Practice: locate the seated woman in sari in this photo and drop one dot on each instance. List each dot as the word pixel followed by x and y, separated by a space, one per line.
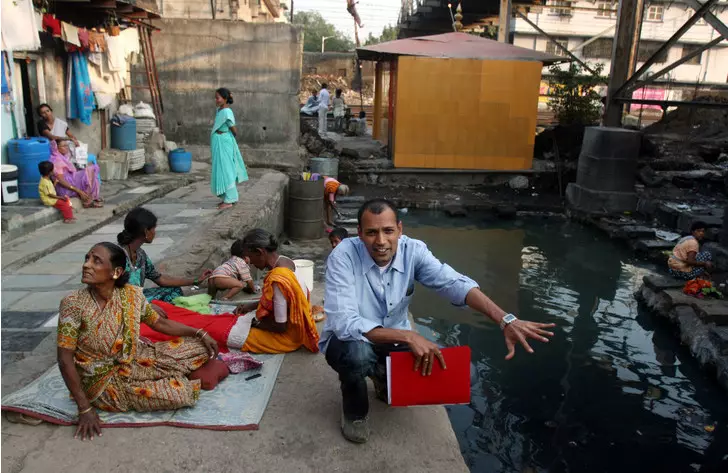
pixel 283 321
pixel 312 105
pixel 101 358
pixel 140 227
pixel 72 182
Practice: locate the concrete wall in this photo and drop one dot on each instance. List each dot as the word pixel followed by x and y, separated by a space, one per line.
pixel 251 11
pixel 259 63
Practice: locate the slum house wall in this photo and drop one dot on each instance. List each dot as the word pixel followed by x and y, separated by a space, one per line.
pixel 259 63
pixel 55 70
pixel 337 64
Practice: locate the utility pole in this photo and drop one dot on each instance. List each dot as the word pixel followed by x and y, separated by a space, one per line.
pixel 323 41
pixel 504 21
pixel 291 11
pixel 621 57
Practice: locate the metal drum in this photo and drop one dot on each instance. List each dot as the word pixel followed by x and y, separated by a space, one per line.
pixel 305 210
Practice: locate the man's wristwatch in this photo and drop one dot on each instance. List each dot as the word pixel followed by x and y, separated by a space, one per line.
pixel 507 320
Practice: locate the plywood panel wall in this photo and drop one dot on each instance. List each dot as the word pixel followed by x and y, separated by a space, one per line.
pixel 465 114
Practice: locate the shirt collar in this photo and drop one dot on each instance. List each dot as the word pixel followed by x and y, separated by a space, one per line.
pixel 367 262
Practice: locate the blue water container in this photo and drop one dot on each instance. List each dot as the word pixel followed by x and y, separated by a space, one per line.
pixel 26 154
pixel 180 160
pixel 124 134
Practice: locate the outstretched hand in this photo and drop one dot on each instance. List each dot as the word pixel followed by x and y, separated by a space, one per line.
pixel 89 425
pixel 425 353
pixel 519 331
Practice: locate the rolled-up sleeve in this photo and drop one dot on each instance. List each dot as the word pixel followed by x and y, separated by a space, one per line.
pixel 340 304
pixel 433 274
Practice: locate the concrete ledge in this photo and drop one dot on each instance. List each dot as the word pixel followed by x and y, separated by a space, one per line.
pixel 695 319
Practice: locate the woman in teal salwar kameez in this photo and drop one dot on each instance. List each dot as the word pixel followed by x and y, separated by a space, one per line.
pixel 228 168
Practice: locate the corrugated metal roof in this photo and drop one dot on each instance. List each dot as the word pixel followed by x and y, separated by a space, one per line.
pixel 454 46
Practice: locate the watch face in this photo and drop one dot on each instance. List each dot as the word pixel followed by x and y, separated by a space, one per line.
pixel 509 318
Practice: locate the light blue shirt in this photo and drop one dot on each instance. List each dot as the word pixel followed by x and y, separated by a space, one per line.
pixel 359 297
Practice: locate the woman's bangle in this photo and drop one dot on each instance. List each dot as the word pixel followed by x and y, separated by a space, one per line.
pixel 198 332
pixel 85 410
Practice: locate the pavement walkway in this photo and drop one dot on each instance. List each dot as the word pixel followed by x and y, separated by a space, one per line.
pixel 300 429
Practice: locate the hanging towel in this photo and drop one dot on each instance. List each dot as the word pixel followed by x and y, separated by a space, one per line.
pixel 130 39
pixel 70 34
pixel 52 25
pixel 116 54
pixel 19 28
pixel 6 89
pixel 81 99
pixel 83 38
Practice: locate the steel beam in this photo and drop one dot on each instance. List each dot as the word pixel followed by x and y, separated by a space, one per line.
pixel 673 103
pixel 556 43
pixel 711 19
pixel 666 45
pixel 679 62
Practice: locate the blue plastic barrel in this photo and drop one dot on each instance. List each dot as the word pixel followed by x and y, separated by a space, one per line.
pixel 26 154
pixel 124 134
pixel 180 160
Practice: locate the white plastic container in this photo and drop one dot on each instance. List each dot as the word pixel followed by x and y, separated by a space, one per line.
pixel 9 184
pixel 304 272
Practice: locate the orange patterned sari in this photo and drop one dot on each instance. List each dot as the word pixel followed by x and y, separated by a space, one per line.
pixel 301 329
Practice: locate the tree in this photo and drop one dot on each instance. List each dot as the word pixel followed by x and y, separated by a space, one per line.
pixel 574 99
pixel 389 33
pixel 316 27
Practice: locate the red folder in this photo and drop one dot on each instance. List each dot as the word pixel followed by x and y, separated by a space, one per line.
pixel 407 387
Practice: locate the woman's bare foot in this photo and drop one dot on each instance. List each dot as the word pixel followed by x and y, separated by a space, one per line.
pixel 70 220
pixel 224 206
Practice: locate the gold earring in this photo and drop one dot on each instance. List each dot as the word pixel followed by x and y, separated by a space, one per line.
pixel 116 277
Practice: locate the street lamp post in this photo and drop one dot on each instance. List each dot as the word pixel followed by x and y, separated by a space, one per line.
pixel 323 41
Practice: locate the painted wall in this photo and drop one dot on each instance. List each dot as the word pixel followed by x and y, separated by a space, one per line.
pixel 251 11
pixel 476 114
pixel 259 63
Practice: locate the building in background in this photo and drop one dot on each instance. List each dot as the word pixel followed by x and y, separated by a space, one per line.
pixel 587 29
pixel 251 11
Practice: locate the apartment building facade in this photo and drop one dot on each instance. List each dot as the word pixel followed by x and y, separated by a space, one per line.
pixel 587 29
pixel 251 11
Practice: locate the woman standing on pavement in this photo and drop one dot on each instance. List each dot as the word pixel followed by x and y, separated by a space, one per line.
pixel 140 227
pixel 228 168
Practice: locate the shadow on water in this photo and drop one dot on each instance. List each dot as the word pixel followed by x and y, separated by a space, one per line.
pixel 612 392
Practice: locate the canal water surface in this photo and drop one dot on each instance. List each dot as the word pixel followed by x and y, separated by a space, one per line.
pixel 614 391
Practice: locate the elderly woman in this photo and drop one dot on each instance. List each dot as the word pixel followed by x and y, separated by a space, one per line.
pixel 312 104
pixel 140 227
pixel 72 182
pixel 332 188
pixel 100 355
pixel 53 128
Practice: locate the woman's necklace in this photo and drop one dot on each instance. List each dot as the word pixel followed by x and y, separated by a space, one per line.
pixel 93 296
pixel 132 255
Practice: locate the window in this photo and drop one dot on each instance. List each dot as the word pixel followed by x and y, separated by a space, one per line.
pixel 655 13
pixel 559 8
pixel 312 70
pixel 599 49
pixel 604 10
pixel 551 47
pixel 342 72
pixel 647 49
pixel 689 49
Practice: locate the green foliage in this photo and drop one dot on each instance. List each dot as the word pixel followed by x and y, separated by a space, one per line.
pixel 389 33
pixel 316 27
pixel 574 99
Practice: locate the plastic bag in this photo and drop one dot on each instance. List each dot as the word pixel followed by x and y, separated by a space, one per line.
pixel 126 109
pixel 143 110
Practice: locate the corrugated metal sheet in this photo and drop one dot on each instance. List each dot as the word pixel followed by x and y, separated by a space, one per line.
pixel 454 46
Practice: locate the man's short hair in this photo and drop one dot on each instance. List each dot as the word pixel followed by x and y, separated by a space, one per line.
pixel 699 225
pixel 377 206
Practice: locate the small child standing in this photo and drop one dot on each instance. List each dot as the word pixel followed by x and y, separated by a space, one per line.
pixel 233 275
pixel 47 192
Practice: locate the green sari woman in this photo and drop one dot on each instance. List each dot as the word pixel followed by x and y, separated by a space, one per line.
pixel 228 168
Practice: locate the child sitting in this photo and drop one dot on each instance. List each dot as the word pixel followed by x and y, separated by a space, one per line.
pixel 233 275
pixel 337 235
pixel 47 192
